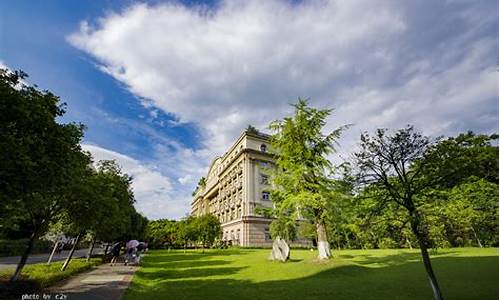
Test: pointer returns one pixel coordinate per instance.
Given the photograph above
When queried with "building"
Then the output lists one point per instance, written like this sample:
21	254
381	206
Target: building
236	183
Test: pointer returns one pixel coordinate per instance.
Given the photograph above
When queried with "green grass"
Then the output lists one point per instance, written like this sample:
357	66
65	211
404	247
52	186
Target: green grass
463	273
47	275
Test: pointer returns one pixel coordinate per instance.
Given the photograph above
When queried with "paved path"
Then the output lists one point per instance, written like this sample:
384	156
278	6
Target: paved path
10	262
102	283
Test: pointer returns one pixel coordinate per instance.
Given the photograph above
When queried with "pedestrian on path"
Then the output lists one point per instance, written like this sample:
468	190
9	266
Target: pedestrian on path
115	252
131	248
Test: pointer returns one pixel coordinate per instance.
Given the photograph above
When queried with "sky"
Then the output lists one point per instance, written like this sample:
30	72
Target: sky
166	86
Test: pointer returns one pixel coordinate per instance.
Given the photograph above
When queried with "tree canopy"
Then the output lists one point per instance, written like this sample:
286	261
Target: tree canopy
301	179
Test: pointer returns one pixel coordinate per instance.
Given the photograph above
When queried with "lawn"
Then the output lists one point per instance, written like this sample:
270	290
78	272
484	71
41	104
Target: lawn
46	275
464	273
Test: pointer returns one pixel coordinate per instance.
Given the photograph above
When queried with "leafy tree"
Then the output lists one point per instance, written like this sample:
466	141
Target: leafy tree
471	213
388	163
39	157
284	227
302	186
161	233
453	160
186	231
208	229
201	184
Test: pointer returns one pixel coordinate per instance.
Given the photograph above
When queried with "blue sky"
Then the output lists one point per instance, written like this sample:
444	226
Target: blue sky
166	86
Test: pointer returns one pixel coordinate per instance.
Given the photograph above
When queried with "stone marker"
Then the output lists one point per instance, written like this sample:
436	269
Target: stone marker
280	251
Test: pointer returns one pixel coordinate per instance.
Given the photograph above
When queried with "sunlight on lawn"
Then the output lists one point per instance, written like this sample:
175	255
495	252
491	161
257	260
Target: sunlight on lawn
465	273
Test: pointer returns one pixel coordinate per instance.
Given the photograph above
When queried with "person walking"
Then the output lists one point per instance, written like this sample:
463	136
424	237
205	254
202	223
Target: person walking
131	247
115	252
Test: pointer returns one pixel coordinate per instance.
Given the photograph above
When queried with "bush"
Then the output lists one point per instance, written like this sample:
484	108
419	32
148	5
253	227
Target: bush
387	243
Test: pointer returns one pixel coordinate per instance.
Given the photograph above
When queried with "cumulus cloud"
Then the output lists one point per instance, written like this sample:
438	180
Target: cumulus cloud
155	195
380	64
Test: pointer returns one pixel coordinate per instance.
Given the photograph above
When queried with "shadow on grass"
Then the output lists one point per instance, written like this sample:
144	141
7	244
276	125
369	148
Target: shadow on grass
459	277
187	273
184	264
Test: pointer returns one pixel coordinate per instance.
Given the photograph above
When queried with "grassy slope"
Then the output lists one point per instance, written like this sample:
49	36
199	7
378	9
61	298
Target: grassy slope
466	273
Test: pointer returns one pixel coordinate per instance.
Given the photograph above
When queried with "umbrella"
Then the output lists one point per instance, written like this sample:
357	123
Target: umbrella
132	244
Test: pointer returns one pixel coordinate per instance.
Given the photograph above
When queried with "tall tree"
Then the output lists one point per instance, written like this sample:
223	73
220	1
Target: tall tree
387	162
39	157
301	179
208	229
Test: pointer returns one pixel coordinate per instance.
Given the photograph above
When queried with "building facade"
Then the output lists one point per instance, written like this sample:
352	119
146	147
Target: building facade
236	183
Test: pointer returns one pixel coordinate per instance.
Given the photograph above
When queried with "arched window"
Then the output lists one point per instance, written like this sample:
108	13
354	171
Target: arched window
263	148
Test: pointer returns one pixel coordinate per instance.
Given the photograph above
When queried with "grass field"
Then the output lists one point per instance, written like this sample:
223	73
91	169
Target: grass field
465	273
47	275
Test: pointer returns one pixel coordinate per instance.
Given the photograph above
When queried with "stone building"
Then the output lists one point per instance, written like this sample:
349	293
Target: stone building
236	183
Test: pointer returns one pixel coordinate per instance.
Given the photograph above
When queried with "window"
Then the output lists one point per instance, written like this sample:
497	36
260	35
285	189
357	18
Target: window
265	195
263	148
264	164
264	179
267	235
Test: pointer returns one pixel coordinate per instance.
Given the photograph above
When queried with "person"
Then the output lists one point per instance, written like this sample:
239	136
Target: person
141	248
130	255
115	252
131	247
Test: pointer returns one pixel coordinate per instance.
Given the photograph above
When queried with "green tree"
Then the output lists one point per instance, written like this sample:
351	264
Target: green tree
301	183
453	160
388	163
208	229
187	232
162	233
472	213
284	227
39	157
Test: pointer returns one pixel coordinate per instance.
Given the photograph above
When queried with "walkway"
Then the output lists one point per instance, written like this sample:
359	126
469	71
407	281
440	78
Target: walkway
103	282
12	261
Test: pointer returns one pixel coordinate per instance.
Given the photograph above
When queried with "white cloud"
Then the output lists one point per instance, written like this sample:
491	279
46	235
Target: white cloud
155	195
385	63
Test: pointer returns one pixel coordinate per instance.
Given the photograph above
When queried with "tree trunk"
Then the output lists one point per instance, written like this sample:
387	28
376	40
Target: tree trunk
53	252
323	245
477	238
421	235
89	254
106	249
70	255
25	255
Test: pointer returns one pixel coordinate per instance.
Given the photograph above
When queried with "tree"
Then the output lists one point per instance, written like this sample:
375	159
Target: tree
388	163
186	231
39	157
208	229
284	227
162	233
201	185
471	213
301	183
453	160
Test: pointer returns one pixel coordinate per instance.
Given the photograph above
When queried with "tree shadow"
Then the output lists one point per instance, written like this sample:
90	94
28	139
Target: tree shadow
460	278
186	264
188	273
